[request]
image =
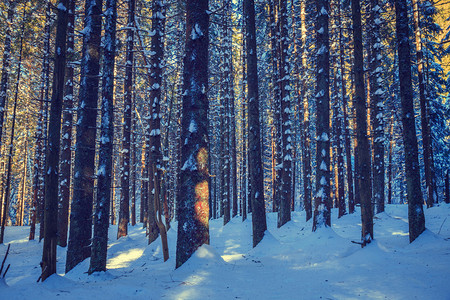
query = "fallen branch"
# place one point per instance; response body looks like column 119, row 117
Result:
column 3, row 263
column 359, row 243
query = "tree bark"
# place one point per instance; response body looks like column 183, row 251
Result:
column 5, row 65
column 48, row 263
column 6, row 196
column 376, row 101
column 447, row 188
column 322, row 203
column 193, row 207
column 255, row 167
column 363, row 150
column 425, row 122
column 156, row 62
column 124, row 210
column 66, row 135
column 304, row 117
column 284, row 212
column 390, row 164
column 104, row 172
column 80, row 231
column 416, row 216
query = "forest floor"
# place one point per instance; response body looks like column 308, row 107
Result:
column 290, row 263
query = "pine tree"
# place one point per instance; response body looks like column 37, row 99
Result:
column 447, row 188
column 284, row 212
column 363, row 152
column 101, row 216
column 322, row 201
column 425, row 122
column 376, row 102
column 193, row 197
column 80, row 231
column 416, row 216
column 303, row 107
column 6, row 198
column 48, row 263
column 254, row 145
column 156, row 155
column 346, row 130
column 124, row 210
column 66, row 134
column 5, row 65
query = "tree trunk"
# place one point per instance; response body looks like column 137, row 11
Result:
column 304, row 117
column 80, row 231
column 363, row 150
column 255, row 167
column 244, row 176
column 124, row 210
column 4, row 82
column 193, row 197
column 21, row 208
column 348, row 145
column 42, row 122
column 226, row 96
column 416, row 216
column 5, row 65
column 7, row 192
column 284, row 212
column 322, row 203
column 66, row 135
column 104, row 172
column 447, row 188
column 39, row 156
column 133, row 147
column 144, row 175
column 376, row 101
column 425, row 122
column 340, row 151
column 48, row 263
column 156, row 167
column 391, row 146
column 276, row 103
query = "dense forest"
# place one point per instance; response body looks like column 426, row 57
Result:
column 143, row 112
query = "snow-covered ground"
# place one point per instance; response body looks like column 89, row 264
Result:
column 290, row 263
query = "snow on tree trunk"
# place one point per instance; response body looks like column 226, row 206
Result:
column 4, row 81
column 5, row 65
column 7, row 193
column 124, row 210
column 48, row 263
column 156, row 167
column 104, row 171
column 193, row 197
column 348, row 145
column 43, row 118
column 322, row 201
column 416, row 216
column 376, row 101
column 363, row 151
column 424, row 117
column 284, row 211
column 225, row 112
column 276, row 105
column 80, row 231
column 66, row 134
column 303, row 108
column 255, row 167
column 447, row 188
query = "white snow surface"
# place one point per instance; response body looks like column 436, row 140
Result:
column 290, row 263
